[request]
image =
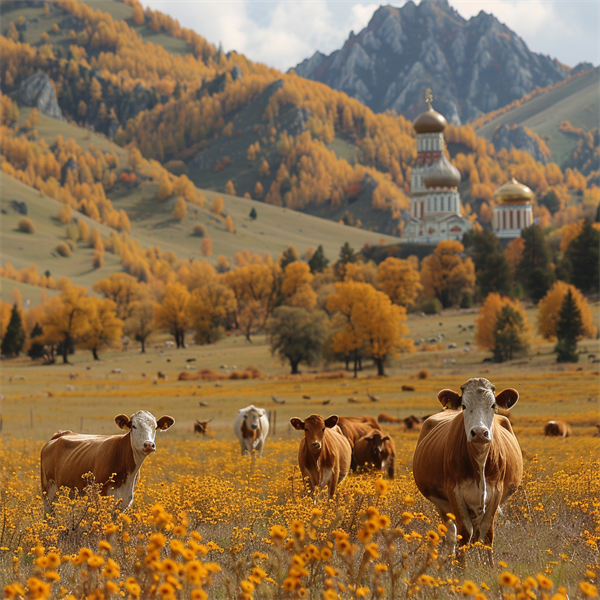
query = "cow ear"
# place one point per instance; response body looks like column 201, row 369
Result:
column 449, row 399
column 297, row 423
column 123, row 421
column 507, row 398
column 331, row 421
column 263, row 412
column 385, row 438
column 164, row 423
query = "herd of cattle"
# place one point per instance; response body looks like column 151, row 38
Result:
column 467, row 460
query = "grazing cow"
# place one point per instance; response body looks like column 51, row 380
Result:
column 114, row 460
column 557, row 429
column 201, row 427
column 387, row 418
column 325, row 454
column 377, row 449
column 353, row 428
column 468, row 460
column 252, row 428
column 408, row 388
column 413, row 423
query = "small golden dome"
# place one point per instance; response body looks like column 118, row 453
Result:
column 441, row 174
column 513, row 192
column 430, row 122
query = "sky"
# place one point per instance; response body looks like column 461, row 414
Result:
column 282, row 33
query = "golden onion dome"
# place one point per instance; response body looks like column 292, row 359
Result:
column 430, row 122
column 441, row 174
column 513, row 192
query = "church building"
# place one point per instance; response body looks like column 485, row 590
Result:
column 435, row 210
column 513, row 210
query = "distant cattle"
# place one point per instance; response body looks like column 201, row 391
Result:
column 113, row 460
column 468, row 461
column 557, row 429
column 251, row 427
column 377, row 449
column 324, row 455
column 201, row 427
column 413, row 423
column 408, row 388
column 161, row 375
column 387, row 418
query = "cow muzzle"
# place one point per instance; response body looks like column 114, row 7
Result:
column 315, row 446
column 254, row 426
column 480, row 435
column 149, row 447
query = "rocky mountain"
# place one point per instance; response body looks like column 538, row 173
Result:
column 38, row 91
column 473, row 67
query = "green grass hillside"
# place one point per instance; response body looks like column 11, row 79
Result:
column 578, row 101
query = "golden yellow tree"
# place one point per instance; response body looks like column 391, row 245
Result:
column 296, row 288
column 230, row 188
column 67, row 317
column 172, row 313
column 258, row 190
column 361, row 272
column 514, row 254
column 180, row 209
column 217, row 205
column 445, row 275
column 399, row 279
column 195, row 274
column 104, row 326
column 206, row 246
column 210, row 308
column 122, row 289
column 485, row 323
column 140, row 324
column 549, row 309
column 165, row 189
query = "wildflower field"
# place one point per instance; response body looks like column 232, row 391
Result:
column 208, row 523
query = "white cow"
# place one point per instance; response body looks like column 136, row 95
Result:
column 252, row 428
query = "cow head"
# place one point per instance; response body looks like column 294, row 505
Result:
column 143, row 427
column 479, row 405
column 252, row 417
column 314, row 430
column 376, row 440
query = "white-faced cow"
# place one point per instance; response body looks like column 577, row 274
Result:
column 468, row 461
column 324, row 454
column 113, row 460
column 252, row 428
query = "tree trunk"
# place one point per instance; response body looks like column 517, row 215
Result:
column 380, row 371
column 294, row 364
column 182, row 334
column 65, row 351
column 355, row 364
column 95, row 353
column 143, row 345
column 347, row 363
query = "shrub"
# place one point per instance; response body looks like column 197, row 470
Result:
column 199, row 230
column 63, row 249
column 26, row 226
column 432, row 306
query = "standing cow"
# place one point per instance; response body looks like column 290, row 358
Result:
column 468, row 461
column 557, row 429
column 114, row 460
column 377, row 449
column 324, row 455
column 252, row 428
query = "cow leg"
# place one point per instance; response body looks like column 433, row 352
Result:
column 259, row 446
column 329, row 481
column 463, row 520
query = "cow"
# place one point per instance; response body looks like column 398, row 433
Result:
column 387, row 418
column 251, row 427
column 468, row 460
column 325, row 454
column 353, row 428
column 201, row 427
column 413, row 423
column 557, row 429
column 378, row 449
column 113, row 460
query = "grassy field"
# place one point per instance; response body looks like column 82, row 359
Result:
column 577, row 101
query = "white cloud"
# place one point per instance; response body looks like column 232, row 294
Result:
column 282, row 33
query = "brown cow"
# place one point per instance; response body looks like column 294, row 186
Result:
column 413, row 423
column 387, row 418
column 377, row 449
column 201, row 427
column 114, row 460
column 557, row 429
column 324, row 455
column 468, row 462
column 355, row 427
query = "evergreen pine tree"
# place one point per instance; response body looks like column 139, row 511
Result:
column 288, row 256
column 253, row 214
column 347, row 255
column 318, row 262
column 569, row 328
column 36, row 350
column 584, row 258
column 14, row 338
column 508, row 337
column 534, row 269
column 491, row 266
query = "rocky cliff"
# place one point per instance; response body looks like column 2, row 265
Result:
column 38, row 91
column 473, row 66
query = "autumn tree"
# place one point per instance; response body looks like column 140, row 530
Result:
column 67, row 317
column 104, row 326
column 172, row 313
column 569, row 329
column 140, row 324
column 230, row 188
column 399, row 280
column 509, row 338
column 210, row 310
column 165, row 189
column 122, row 289
column 296, row 288
column 550, row 305
column 297, row 335
column 13, row 339
column 206, row 246
column 180, row 209
column 217, row 205
column 445, row 275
